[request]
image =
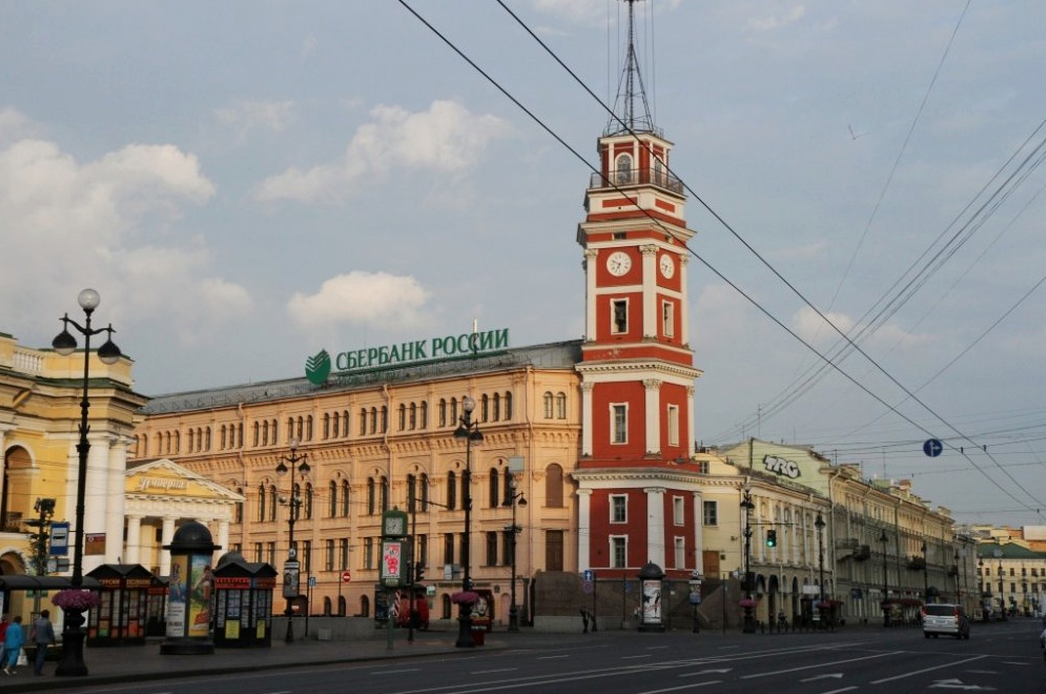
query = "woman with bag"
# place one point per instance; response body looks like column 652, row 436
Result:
column 14, row 639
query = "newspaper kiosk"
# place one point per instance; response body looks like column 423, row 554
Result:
column 122, row 615
column 243, row 602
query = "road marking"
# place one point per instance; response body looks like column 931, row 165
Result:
column 721, row 671
column 487, row 672
column 378, row 672
column 633, row 657
column 834, row 675
column 929, row 669
column 552, row 657
column 957, row 684
column 818, row 666
column 839, row 691
column 684, row 686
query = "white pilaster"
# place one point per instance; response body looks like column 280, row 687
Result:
column 699, row 518
column 96, row 499
column 691, row 426
column 655, row 524
column 132, row 552
column 650, row 312
column 586, row 418
column 652, row 388
column 166, row 535
column 116, row 483
column 223, row 536
column 584, row 528
column 684, row 262
column 589, row 265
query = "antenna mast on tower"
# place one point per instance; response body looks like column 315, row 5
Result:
column 630, row 88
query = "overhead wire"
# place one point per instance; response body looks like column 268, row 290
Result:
column 725, row 225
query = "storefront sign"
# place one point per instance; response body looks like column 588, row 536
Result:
column 318, row 368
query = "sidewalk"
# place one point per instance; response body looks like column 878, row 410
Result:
column 143, row 663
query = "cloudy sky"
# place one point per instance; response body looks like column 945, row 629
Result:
column 248, row 182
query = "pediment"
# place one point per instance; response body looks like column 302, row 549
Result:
column 165, row 478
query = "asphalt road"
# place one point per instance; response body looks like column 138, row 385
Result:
column 999, row 657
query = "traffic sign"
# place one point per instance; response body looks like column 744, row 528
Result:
column 933, row 447
column 590, row 575
column 346, row 577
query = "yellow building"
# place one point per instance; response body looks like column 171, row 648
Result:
column 40, row 411
column 370, row 435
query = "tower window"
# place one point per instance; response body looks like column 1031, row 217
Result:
column 618, row 552
column 619, row 309
column 619, row 508
column 619, row 423
column 624, row 169
column 668, row 319
column 673, row 425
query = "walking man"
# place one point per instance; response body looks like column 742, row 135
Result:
column 42, row 635
column 13, row 640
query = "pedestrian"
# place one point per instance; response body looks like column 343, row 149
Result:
column 13, row 640
column 42, row 635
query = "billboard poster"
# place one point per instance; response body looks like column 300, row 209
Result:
column 652, row 601
column 177, row 589
column 199, row 598
column 392, row 563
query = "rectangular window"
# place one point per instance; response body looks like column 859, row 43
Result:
column 619, row 316
column 677, row 510
column 619, row 423
column 306, row 558
column 270, row 550
column 258, row 556
column 618, row 552
column 328, row 562
column 673, row 425
column 668, row 319
column 492, row 549
column 368, row 552
column 554, row 550
column 710, row 510
column 680, row 552
column 448, row 548
column 423, row 550
column 343, row 553
column 619, row 509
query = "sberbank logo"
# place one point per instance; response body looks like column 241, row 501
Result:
column 318, row 368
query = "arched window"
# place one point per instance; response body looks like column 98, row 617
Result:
column 624, row 169
column 495, row 476
column 442, row 413
column 363, row 420
column 332, row 503
column 265, row 434
column 497, row 407
column 239, row 506
column 275, row 435
column 403, row 417
column 424, row 422
column 308, row 428
column 345, row 498
column 509, row 485
column 257, row 434
column 261, row 502
column 345, row 425
column 452, row 491
column 508, row 406
column 301, row 429
column 342, row 607
column 554, row 486
column 374, row 420
column 484, row 408
column 273, row 500
column 290, row 428
column 412, row 493
column 384, row 418
column 371, row 498
column 561, row 405
column 384, row 494
column 548, row 405
column 453, row 411
column 326, row 606
column 326, row 425
column 413, row 421
column 364, row 606
column 423, row 492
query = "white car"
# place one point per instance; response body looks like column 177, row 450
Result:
column 945, row 618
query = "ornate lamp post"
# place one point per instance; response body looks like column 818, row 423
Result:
column 819, row 524
column 514, row 499
column 292, row 567
column 748, row 505
column 886, row 586
column 72, row 659
column 468, row 430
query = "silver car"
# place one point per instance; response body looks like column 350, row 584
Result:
column 945, row 618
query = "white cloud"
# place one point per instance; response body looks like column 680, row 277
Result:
column 363, row 298
column 808, row 325
column 768, row 22
column 446, row 138
column 244, row 116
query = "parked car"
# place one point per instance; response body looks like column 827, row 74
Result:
column 945, row 618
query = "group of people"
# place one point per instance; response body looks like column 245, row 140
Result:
column 13, row 638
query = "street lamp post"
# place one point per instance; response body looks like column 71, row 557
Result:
column 819, row 523
column 514, row 499
column 468, row 430
column 886, row 586
column 926, row 576
column 958, row 584
column 748, row 505
column 292, row 568
column 1002, row 600
column 72, row 658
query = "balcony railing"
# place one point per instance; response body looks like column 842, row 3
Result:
column 637, row 177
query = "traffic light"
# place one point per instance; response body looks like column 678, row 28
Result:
column 771, row 538
column 419, row 573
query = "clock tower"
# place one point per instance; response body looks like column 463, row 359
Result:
column 639, row 491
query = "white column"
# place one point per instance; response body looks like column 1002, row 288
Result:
column 116, row 484
column 166, row 535
column 653, row 415
column 223, row 536
column 589, row 264
column 684, row 261
column 586, row 419
column 584, row 529
column 96, row 498
column 132, row 552
column 699, row 518
column 655, row 525
column 650, row 312
column 691, row 426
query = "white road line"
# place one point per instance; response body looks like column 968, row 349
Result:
column 633, row 657
column 552, row 657
column 929, row 669
column 395, row 672
column 487, row 672
column 819, row 666
column 695, row 685
column 839, row 691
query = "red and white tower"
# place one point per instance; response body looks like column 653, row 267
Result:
column 639, row 492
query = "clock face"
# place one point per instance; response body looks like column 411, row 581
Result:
column 668, row 266
column 394, row 526
column 618, row 263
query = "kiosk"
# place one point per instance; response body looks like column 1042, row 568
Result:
column 189, row 592
column 243, row 602
column 121, row 617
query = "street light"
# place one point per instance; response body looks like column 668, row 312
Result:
column 819, row 523
column 958, row 584
column 292, row 568
column 514, row 499
column 72, row 658
column 748, row 505
column 1002, row 601
column 468, row 430
column 886, row 586
column 986, row 589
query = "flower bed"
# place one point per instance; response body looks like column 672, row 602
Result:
column 76, row 599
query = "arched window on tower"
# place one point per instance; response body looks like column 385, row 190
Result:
column 624, row 169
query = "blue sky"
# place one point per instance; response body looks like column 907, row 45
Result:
column 248, row 182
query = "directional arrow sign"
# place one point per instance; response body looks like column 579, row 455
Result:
column 933, row 447
column 832, row 675
column 957, row 684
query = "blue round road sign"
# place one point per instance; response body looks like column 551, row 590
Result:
column 933, row 447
